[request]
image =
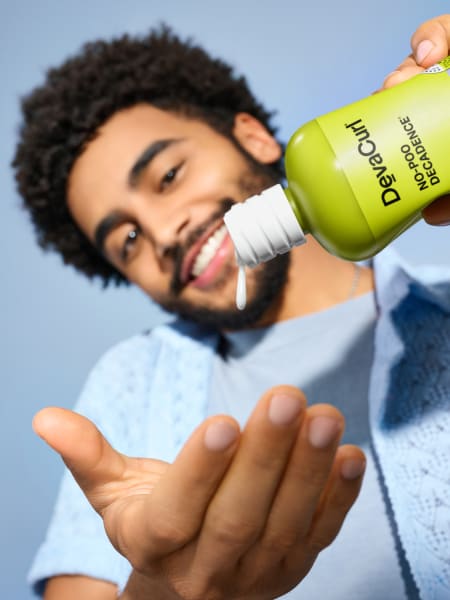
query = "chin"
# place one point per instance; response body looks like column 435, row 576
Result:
column 265, row 284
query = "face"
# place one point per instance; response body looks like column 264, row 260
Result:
column 150, row 192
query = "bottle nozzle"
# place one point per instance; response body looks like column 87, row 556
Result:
column 263, row 226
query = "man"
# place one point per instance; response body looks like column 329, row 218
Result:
column 129, row 156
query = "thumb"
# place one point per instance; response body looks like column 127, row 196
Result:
column 91, row 459
column 438, row 212
column 431, row 41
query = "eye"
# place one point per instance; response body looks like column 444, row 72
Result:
column 169, row 177
column 129, row 243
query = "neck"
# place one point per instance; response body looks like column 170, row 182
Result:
column 317, row 281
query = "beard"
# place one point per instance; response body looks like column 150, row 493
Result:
column 269, row 278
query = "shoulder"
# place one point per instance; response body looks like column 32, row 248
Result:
column 396, row 279
column 115, row 394
column 123, row 388
column 139, row 352
column 134, row 353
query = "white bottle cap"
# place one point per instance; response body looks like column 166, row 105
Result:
column 263, row 226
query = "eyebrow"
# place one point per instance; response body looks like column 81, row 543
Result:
column 116, row 218
column 149, row 154
column 105, row 226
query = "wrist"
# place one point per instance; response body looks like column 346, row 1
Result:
column 141, row 587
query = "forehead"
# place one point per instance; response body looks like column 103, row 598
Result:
column 129, row 131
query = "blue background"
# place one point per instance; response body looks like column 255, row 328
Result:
column 302, row 59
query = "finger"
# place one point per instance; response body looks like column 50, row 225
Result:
column 338, row 497
column 90, row 458
column 438, row 212
column 430, row 43
column 239, row 510
column 173, row 515
column 407, row 69
column 304, row 480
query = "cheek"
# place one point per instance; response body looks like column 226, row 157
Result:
column 218, row 171
column 156, row 288
column 146, row 274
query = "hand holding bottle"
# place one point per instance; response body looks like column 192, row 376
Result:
column 361, row 175
column 430, row 43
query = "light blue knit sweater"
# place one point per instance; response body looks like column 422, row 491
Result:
column 148, row 393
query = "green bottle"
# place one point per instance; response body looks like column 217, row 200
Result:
column 357, row 177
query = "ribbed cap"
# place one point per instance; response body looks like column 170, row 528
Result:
column 263, row 226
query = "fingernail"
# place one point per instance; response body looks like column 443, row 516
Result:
column 352, row 468
column 423, row 50
column 220, row 435
column 322, row 431
column 284, row 408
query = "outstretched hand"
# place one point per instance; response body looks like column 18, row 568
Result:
column 430, row 43
column 238, row 514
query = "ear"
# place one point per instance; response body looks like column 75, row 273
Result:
column 253, row 136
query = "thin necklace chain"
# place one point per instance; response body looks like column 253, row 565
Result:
column 355, row 280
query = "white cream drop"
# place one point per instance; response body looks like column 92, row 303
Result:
column 241, row 288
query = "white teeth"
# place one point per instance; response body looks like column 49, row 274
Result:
column 208, row 251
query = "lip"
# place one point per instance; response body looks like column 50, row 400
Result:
column 191, row 255
column 209, row 275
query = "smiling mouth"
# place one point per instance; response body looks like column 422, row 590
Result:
column 208, row 251
column 198, row 263
column 205, row 259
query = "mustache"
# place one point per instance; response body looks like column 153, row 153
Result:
column 177, row 252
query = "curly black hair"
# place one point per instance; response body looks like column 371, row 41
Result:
column 63, row 115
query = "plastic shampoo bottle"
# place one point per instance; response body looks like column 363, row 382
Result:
column 357, row 177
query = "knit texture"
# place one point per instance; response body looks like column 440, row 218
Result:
column 411, row 425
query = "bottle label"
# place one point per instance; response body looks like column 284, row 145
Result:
column 443, row 65
column 393, row 149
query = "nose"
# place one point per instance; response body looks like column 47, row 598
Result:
column 166, row 227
